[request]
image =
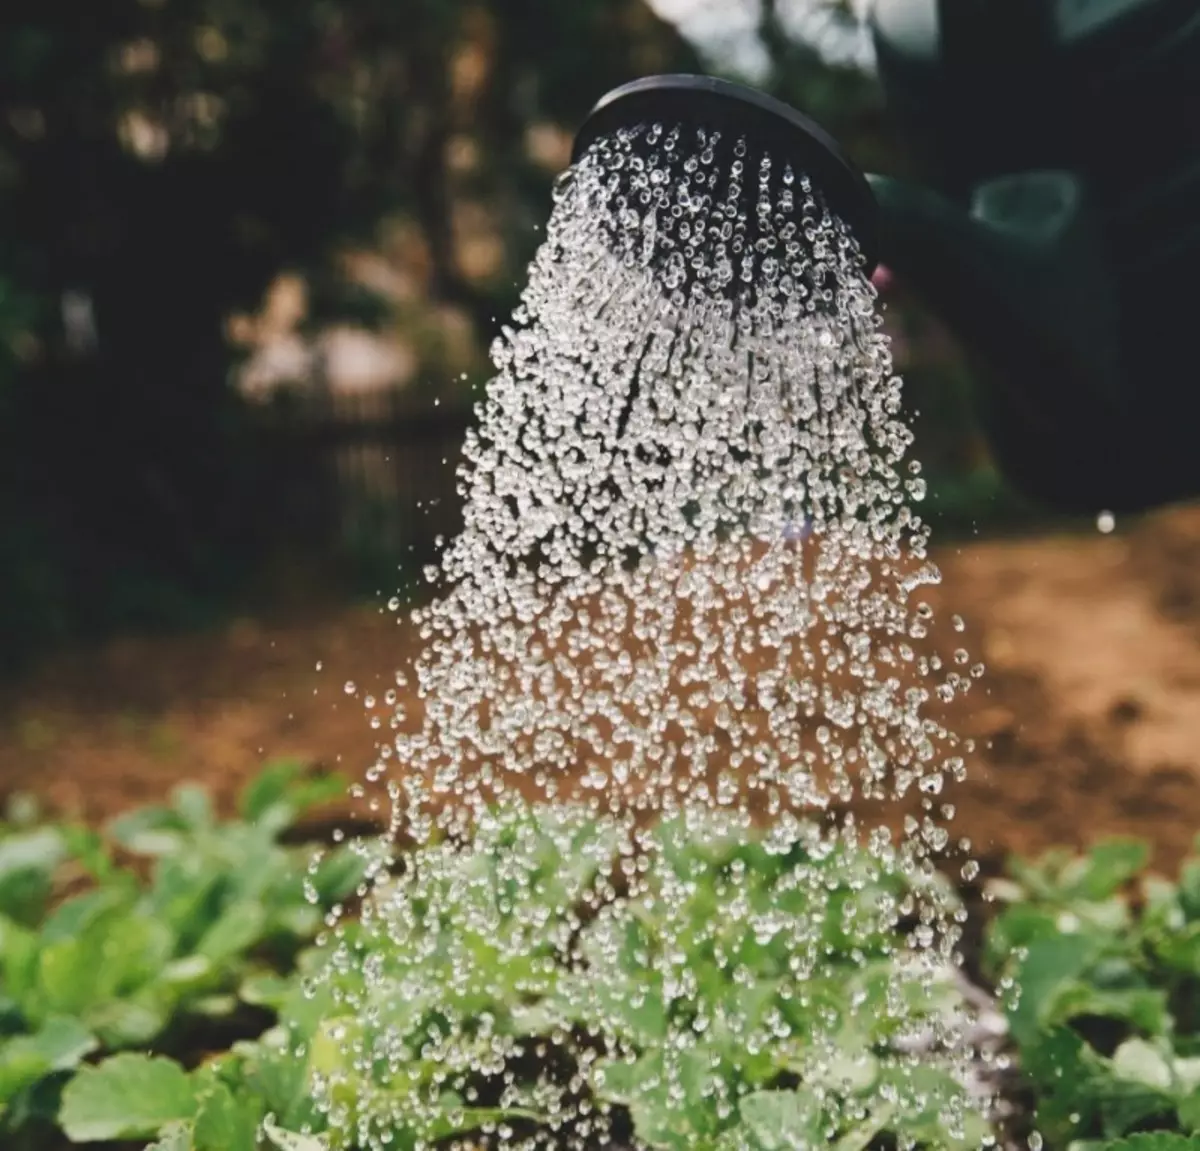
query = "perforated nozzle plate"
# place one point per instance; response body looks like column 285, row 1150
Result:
column 765, row 122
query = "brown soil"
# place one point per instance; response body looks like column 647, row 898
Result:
column 1088, row 721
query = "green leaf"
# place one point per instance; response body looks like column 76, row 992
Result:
column 285, row 790
column 114, row 956
column 265, row 989
column 1020, row 925
column 194, row 807
column 860, row 1137
column 782, row 1120
column 659, row 1124
column 926, row 1097
column 279, row 1080
column 60, row 1044
column 215, row 1006
column 187, row 891
column 1143, row 1007
column 126, row 1097
column 850, row 1068
column 1067, row 1076
column 175, row 1137
column 335, row 1036
column 1125, row 1105
column 1040, row 877
column 623, row 1080
column 268, row 788
column 189, row 973
column 150, row 831
column 299, row 920
column 1178, row 949
column 290, row 1141
column 225, row 1122
column 1049, row 966
column 27, row 863
column 338, row 873
column 1108, row 867
column 459, row 1120
column 129, row 1022
column 1189, row 886
column 18, row 959
column 240, row 926
column 75, row 915
column 1189, row 1110
column 1137, row 1061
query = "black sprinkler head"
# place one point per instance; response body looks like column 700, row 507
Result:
column 768, row 126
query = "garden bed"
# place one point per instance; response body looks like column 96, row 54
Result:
column 145, row 1003
column 1088, row 723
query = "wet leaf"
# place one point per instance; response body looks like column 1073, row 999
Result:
column 174, row 1137
column 290, row 1140
column 782, row 1120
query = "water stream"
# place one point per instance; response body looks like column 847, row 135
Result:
column 683, row 624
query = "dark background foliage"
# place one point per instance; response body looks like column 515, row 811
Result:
column 162, row 161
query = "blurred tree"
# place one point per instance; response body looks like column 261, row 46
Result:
column 160, row 161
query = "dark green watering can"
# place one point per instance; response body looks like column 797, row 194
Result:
column 1056, row 227
column 1059, row 232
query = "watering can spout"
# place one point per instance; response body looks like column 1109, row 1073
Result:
column 1021, row 278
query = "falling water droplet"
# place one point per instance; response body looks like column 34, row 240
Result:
column 681, row 610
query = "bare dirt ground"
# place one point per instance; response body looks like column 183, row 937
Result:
column 1087, row 722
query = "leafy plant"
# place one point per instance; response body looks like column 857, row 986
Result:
column 418, row 1021
column 480, row 979
column 787, row 1049
column 252, row 1097
column 525, row 941
column 1105, row 960
column 179, row 912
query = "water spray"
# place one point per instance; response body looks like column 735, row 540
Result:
column 733, row 112
column 631, row 641
column 1064, row 264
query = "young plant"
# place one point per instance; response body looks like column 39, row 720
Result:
column 1104, row 961
column 163, row 934
column 531, row 941
column 726, row 1027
